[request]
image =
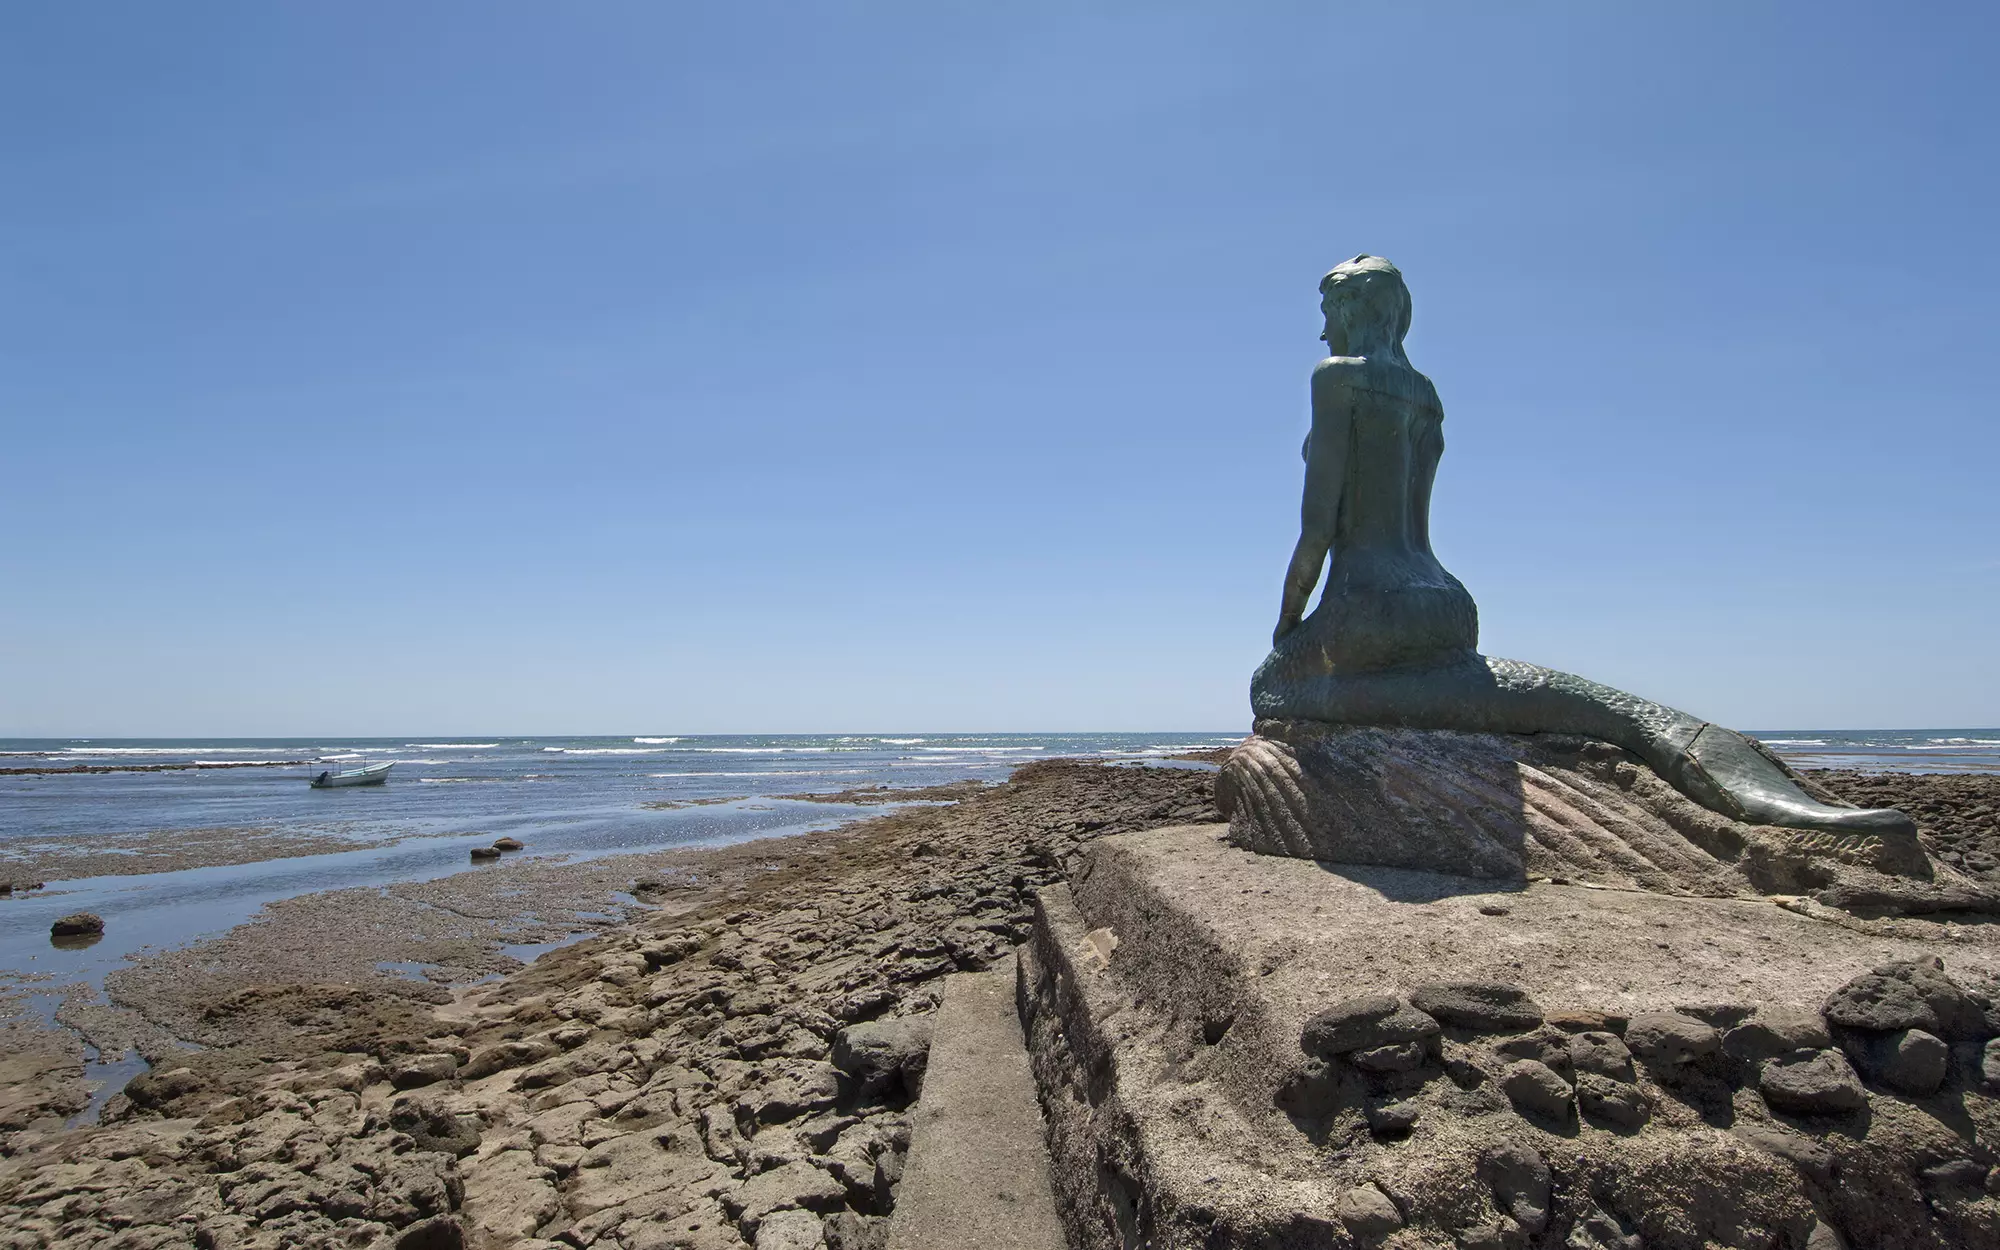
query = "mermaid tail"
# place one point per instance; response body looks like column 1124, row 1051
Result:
column 1718, row 768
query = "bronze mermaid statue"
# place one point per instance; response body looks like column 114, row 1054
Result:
column 1394, row 639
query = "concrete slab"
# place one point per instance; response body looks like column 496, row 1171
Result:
column 1167, row 991
column 977, row 1173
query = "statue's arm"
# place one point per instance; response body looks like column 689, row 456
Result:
column 1319, row 507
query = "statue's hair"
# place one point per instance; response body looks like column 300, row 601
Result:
column 1379, row 288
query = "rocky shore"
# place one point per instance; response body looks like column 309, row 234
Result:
column 736, row 1069
column 746, row 1054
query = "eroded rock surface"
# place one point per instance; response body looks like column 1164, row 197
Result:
column 736, row 1073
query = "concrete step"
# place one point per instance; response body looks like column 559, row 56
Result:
column 978, row 1172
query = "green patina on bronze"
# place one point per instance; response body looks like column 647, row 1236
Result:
column 1394, row 640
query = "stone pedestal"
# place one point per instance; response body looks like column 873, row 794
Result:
column 1243, row 1050
column 1514, row 807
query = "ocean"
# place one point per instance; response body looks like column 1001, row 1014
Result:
column 569, row 796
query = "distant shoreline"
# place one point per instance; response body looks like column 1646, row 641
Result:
column 142, row 768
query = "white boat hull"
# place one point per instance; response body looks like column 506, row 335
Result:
column 372, row 775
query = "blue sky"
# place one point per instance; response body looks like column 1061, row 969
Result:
column 688, row 368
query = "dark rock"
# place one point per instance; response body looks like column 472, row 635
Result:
column 1612, row 1101
column 1519, row 1177
column 485, row 852
column 507, row 844
column 1819, row 1082
column 1909, row 995
column 1666, row 1041
column 1962, row 1174
column 1390, row 1119
column 1364, row 1024
column 440, row 1232
column 1536, row 1090
column 1602, row 1053
column 1717, row 1015
column 1775, row 1031
column 1912, row 1061
column 1989, row 1065
column 1482, row 1006
column 77, row 924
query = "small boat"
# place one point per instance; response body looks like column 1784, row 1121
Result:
column 366, row 775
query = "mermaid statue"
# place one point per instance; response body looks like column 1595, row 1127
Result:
column 1394, row 639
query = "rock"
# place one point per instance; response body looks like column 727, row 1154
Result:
column 848, row 1230
column 1809, row 1156
column 1482, row 1006
column 1819, row 1082
column 1913, row 1062
column 1612, row 1101
column 1775, row 1031
column 432, row 1125
column 1880, row 1004
column 1962, row 1174
column 791, row 1230
column 1536, row 1090
column 423, row 1070
column 1989, row 1065
column 1400, row 1057
column 793, row 1186
column 1543, row 1047
column 1908, row 995
column 1368, row 1213
column 1519, row 1177
column 507, row 844
column 157, row 1089
column 1602, row 1053
column 1587, row 1022
column 1390, row 1119
column 490, row 1059
column 882, row 1056
column 77, row 924
column 1364, row 1024
column 1666, row 1041
column 1825, row 1237
column 440, row 1232
column 485, row 852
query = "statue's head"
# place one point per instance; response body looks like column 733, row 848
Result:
column 1367, row 307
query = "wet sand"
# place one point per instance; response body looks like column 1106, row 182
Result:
column 172, row 850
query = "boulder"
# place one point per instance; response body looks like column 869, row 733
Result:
column 1365, row 1023
column 1602, row 1053
column 485, row 852
column 1912, row 1061
column 1989, row 1065
column 1908, row 995
column 419, row 1070
column 1481, row 1006
column 78, row 924
column 1368, row 1213
column 1819, row 1082
column 1611, row 1101
column 1536, row 1090
column 880, row 1056
column 1666, row 1041
column 507, row 844
column 1775, row 1031
column 434, row 1126
column 1520, row 1180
